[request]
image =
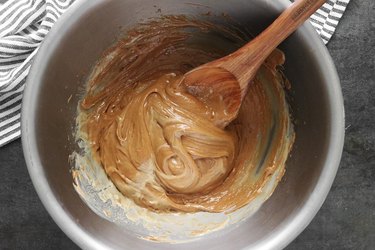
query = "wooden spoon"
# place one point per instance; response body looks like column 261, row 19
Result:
column 222, row 84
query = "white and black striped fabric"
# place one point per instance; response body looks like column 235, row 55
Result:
column 327, row 18
column 23, row 26
column 25, row 23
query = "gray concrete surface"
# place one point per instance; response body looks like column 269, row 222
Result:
column 347, row 218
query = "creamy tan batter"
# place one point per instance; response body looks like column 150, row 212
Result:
column 159, row 144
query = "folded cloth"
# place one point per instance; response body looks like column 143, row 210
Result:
column 25, row 23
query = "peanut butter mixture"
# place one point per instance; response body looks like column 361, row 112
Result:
column 159, row 144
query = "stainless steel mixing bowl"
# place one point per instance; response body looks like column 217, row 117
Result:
column 56, row 81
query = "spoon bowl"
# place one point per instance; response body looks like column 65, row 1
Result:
column 217, row 88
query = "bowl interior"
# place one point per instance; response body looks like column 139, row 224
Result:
column 58, row 77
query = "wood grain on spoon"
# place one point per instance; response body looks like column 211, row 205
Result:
column 223, row 83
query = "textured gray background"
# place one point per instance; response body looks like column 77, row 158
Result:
column 347, row 218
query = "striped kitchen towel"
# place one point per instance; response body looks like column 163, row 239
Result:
column 327, row 18
column 25, row 23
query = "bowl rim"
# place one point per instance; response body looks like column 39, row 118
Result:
column 280, row 238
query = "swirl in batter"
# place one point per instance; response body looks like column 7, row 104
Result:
column 159, row 144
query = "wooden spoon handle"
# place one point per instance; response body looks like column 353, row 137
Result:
column 256, row 51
